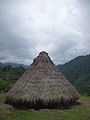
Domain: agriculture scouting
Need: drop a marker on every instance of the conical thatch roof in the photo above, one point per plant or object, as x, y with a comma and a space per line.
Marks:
42, 85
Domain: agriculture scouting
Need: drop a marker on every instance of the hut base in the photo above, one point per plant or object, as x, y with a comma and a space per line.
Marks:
37, 105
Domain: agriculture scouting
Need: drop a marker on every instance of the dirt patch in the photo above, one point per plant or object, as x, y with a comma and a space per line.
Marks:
84, 102
4, 109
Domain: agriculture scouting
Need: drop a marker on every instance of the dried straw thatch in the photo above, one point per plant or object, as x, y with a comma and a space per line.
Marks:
42, 85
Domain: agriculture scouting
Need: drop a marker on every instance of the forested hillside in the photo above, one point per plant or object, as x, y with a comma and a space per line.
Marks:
8, 76
77, 71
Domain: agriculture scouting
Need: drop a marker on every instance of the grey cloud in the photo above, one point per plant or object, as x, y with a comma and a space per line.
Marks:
59, 27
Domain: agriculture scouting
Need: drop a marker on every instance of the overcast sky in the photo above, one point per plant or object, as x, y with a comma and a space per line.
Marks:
60, 27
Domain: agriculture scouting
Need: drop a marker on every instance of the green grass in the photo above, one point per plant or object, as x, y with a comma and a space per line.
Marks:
77, 112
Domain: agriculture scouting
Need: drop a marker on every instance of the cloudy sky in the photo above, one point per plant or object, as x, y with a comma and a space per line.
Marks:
60, 27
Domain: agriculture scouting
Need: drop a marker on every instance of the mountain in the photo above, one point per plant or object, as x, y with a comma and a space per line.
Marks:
1, 64
13, 65
77, 71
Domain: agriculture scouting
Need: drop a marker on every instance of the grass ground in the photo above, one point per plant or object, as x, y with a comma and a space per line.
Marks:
77, 112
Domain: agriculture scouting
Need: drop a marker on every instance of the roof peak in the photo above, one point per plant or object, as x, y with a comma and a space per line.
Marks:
43, 53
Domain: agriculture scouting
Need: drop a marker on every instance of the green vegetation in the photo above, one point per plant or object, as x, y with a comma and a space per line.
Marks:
77, 71
77, 112
8, 76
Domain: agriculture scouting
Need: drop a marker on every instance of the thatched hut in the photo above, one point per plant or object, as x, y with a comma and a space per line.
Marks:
42, 86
